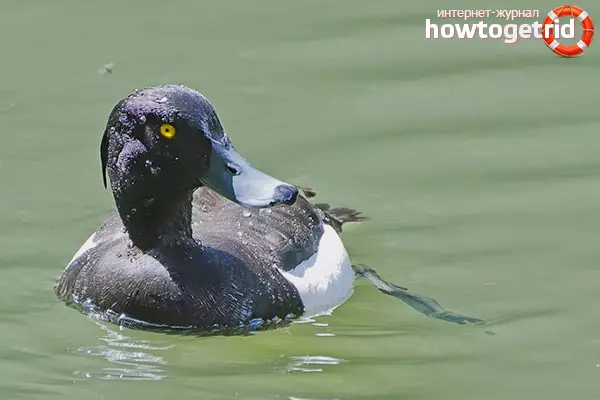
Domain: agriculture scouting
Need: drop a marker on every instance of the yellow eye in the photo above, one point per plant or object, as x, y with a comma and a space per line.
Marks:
167, 130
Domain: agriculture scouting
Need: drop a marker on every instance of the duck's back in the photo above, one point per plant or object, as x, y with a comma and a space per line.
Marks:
281, 237
297, 242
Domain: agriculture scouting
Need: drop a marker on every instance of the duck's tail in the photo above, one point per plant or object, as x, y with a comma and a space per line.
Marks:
337, 216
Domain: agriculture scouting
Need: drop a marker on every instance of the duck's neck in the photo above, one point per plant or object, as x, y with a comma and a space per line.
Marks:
153, 222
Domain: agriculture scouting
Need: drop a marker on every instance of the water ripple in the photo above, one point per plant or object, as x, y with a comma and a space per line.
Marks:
132, 358
312, 363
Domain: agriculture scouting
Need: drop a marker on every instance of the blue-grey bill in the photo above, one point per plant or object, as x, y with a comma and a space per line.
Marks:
230, 175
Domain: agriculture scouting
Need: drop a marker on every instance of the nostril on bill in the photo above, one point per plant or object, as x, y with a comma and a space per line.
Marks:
232, 169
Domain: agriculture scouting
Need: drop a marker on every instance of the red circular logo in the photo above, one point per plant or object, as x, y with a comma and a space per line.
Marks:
573, 12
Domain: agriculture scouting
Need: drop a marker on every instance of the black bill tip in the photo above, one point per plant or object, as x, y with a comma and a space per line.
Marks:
285, 194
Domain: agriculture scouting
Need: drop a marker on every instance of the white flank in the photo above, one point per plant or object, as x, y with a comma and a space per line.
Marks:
325, 280
89, 244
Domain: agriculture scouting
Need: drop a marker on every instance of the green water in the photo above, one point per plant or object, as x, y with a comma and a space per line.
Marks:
477, 162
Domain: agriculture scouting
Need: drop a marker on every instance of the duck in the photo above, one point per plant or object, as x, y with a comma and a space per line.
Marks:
202, 240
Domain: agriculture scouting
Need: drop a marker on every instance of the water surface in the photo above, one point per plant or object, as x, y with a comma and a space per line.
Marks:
477, 162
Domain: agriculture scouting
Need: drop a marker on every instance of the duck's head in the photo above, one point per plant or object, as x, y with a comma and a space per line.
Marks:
168, 139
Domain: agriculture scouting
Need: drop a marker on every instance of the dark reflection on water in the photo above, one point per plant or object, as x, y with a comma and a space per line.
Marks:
133, 358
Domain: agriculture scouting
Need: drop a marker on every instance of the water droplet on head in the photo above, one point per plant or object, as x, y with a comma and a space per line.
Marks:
111, 129
239, 233
205, 208
247, 213
245, 242
142, 119
148, 163
162, 100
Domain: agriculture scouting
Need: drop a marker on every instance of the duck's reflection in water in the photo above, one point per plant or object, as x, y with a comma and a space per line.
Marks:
132, 358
